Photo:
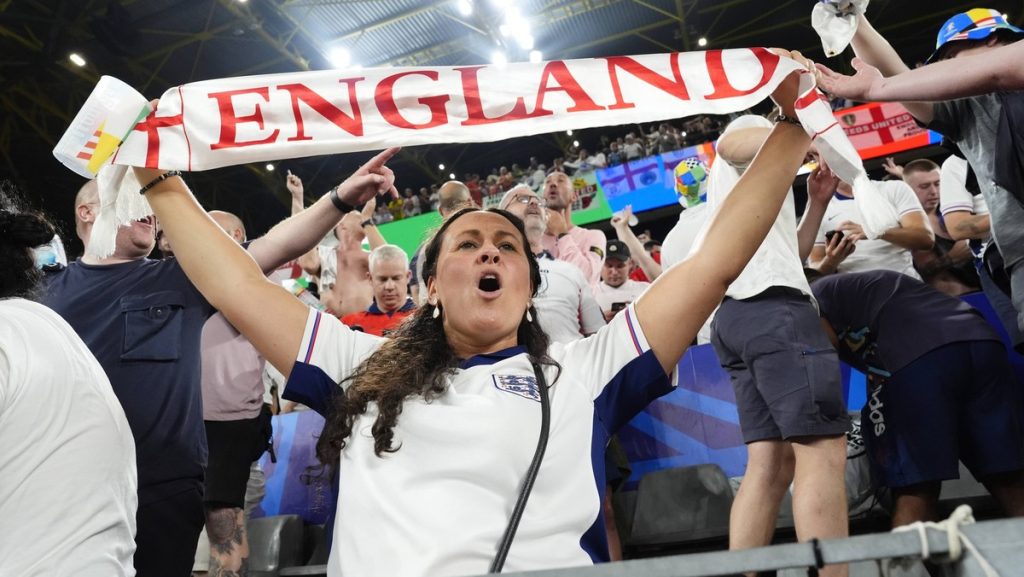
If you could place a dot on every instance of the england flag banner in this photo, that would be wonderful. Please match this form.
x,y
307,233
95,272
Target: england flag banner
x,y
231,121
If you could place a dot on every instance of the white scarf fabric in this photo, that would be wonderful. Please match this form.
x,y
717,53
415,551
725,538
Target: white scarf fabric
x,y
232,121
835,21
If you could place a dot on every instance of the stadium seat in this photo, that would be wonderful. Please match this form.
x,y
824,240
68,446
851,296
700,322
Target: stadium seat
x,y
681,506
274,542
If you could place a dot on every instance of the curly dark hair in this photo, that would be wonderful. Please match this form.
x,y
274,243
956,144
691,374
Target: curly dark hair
x,y
416,361
20,231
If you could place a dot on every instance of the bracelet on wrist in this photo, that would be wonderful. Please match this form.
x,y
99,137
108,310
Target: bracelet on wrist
x,y
342,206
159,179
367,222
778,116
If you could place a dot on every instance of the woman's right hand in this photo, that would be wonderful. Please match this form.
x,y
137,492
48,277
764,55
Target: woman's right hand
x,y
369,180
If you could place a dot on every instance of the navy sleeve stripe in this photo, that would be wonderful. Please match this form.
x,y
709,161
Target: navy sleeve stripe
x,y
312,338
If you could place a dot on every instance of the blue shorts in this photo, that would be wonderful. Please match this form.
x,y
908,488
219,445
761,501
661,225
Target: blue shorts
x,y
959,402
783,368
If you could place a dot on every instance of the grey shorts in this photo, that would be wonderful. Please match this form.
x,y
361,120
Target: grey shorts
x,y
783,369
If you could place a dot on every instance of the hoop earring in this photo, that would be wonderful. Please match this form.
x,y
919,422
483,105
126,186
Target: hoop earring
x,y
437,311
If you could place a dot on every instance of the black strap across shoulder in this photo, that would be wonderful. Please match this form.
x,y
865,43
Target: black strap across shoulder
x,y
531,473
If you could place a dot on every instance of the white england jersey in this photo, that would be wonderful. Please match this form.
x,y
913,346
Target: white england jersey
x,y
873,254
953,193
439,505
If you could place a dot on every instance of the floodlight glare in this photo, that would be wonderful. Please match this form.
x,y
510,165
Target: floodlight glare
x,y
339,57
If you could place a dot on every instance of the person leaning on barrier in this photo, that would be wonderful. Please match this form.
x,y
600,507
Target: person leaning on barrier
x,y
941,389
434,428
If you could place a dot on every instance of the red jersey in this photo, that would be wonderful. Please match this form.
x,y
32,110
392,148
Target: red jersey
x,y
377,322
639,275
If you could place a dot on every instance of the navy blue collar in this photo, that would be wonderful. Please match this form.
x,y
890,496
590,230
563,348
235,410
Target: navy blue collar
x,y
491,358
375,310
544,254
841,196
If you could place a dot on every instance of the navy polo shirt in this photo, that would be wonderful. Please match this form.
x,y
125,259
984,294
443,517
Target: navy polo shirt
x,y
143,321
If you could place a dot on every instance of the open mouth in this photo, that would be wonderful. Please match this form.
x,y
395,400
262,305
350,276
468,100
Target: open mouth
x,y
489,283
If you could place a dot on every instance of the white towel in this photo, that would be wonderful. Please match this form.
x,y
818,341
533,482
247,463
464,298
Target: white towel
x,y
835,21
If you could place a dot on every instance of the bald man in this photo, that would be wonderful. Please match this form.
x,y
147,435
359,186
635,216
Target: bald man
x,y
451,197
143,320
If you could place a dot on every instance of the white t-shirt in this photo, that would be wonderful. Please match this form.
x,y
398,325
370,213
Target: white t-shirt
x,y
953,193
626,292
873,254
679,243
566,309
954,197
633,150
68,484
777,261
439,505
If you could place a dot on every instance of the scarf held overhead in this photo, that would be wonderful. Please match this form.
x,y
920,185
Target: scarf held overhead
x,y
233,121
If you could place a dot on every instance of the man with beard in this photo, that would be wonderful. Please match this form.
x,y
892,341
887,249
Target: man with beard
x,y
566,241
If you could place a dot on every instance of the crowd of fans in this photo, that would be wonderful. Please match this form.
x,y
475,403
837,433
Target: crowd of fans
x,y
611,149
428,370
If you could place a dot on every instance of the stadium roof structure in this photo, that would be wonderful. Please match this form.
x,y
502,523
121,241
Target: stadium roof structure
x,y
156,44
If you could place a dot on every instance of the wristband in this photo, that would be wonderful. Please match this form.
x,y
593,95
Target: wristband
x,y
778,116
366,223
159,179
342,206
